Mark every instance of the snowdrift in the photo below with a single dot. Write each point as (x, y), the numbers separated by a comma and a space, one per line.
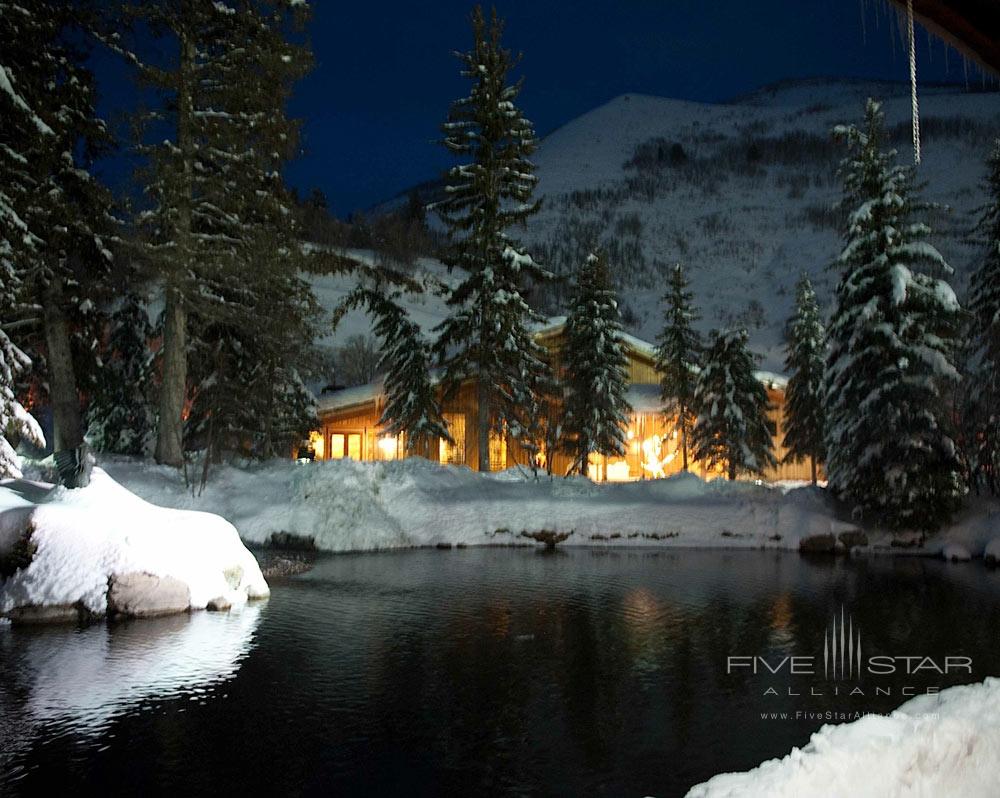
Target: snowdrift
(102, 550)
(933, 745)
(349, 506)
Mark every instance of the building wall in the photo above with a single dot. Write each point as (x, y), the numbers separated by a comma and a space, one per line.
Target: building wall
(653, 445)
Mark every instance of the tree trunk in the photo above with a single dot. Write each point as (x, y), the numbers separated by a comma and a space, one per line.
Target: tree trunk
(812, 464)
(66, 420)
(483, 424)
(170, 432)
(684, 445)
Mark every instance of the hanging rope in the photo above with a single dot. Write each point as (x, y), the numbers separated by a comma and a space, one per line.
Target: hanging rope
(913, 83)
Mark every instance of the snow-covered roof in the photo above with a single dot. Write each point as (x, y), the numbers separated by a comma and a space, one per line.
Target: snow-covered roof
(345, 397)
(644, 398)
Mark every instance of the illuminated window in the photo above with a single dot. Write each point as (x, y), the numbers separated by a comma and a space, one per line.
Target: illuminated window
(388, 447)
(316, 443)
(453, 453)
(345, 444)
(354, 446)
(498, 451)
(337, 441)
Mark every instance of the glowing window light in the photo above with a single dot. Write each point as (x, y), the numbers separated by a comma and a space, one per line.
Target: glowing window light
(655, 461)
(388, 447)
(317, 443)
(618, 472)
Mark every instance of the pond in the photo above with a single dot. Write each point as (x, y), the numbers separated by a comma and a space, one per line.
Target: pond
(487, 672)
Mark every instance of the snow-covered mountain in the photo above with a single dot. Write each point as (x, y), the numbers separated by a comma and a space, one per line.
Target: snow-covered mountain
(743, 193)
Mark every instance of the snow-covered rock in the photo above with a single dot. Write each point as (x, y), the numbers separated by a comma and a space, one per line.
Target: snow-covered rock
(67, 552)
(934, 745)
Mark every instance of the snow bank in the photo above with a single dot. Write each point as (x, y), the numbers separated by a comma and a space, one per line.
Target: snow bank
(350, 506)
(934, 745)
(80, 539)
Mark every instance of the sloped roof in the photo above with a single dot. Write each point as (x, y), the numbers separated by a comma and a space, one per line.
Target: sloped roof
(971, 26)
(642, 397)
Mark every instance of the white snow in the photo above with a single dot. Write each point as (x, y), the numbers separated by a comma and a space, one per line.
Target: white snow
(84, 536)
(350, 506)
(934, 745)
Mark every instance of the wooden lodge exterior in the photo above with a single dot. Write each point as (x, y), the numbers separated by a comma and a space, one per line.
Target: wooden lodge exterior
(349, 426)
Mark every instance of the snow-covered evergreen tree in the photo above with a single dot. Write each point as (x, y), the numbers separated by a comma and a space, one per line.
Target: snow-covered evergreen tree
(222, 232)
(120, 415)
(487, 336)
(56, 218)
(732, 429)
(805, 364)
(678, 356)
(15, 421)
(983, 440)
(595, 368)
(411, 406)
(889, 448)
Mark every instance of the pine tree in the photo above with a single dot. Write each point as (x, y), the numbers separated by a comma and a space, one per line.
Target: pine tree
(678, 354)
(56, 217)
(411, 406)
(732, 429)
(889, 449)
(15, 421)
(486, 337)
(983, 448)
(221, 230)
(596, 369)
(120, 416)
(805, 364)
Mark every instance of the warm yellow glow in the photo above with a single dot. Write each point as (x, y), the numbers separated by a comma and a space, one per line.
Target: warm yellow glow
(498, 451)
(453, 453)
(388, 447)
(618, 472)
(654, 460)
(316, 444)
(354, 446)
(337, 441)
(631, 434)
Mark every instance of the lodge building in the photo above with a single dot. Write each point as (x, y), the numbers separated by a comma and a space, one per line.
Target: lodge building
(349, 426)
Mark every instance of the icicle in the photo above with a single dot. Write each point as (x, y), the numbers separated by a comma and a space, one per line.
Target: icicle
(913, 82)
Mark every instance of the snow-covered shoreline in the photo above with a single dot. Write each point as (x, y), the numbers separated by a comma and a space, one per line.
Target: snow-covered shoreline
(345, 506)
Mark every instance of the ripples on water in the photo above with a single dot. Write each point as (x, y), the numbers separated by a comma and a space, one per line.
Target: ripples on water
(474, 672)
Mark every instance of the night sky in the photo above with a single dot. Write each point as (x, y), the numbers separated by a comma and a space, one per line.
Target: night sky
(385, 73)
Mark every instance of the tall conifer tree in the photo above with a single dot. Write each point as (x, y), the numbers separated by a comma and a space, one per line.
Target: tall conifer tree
(890, 450)
(55, 217)
(984, 305)
(732, 430)
(805, 363)
(678, 354)
(596, 368)
(487, 336)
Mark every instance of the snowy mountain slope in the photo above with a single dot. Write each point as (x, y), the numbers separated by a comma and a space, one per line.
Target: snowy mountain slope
(741, 193)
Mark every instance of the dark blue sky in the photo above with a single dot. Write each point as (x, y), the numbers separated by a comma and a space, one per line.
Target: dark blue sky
(385, 74)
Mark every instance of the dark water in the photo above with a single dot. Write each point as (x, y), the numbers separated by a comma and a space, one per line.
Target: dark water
(475, 672)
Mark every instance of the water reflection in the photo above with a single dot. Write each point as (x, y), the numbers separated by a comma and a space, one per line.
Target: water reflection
(478, 672)
(79, 679)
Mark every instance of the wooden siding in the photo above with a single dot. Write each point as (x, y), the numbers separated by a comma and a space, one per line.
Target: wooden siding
(643, 451)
